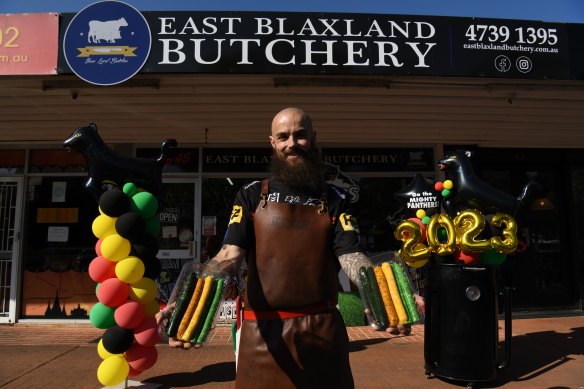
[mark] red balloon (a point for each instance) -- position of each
(98, 247)
(141, 357)
(439, 186)
(100, 269)
(147, 333)
(468, 258)
(129, 315)
(422, 227)
(133, 372)
(113, 292)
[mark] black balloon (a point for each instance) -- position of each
(117, 340)
(470, 192)
(130, 225)
(144, 246)
(420, 194)
(114, 202)
(152, 267)
(105, 166)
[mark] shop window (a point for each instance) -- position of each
(12, 161)
(176, 239)
(378, 213)
(58, 246)
(577, 183)
(56, 161)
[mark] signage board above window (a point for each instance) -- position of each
(380, 159)
(28, 43)
(179, 160)
(356, 44)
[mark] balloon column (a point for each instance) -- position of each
(476, 227)
(125, 268)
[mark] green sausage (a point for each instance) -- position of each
(405, 293)
(381, 316)
(212, 310)
(182, 303)
(366, 284)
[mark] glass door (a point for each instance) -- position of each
(179, 230)
(10, 216)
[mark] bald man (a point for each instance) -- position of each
(295, 233)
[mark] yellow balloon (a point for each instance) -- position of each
(130, 270)
(103, 353)
(104, 225)
(448, 184)
(441, 220)
(151, 308)
(509, 242)
(113, 370)
(469, 224)
(115, 248)
(420, 213)
(418, 264)
(410, 233)
(144, 291)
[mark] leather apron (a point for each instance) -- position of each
(293, 267)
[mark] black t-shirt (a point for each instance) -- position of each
(240, 231)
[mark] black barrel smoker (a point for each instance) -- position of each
(461, 340)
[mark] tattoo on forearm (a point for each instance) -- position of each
(214, 266)
(221, 264)
(351, 263)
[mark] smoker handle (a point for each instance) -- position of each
(508, 326)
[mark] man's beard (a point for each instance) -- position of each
(305, 173)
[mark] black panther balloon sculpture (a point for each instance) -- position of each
(107, 167)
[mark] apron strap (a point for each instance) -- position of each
(264, 194)
(323, 208)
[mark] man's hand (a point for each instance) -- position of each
(406, 329)
(227, 260)
(161, 319)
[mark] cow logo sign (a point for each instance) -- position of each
(107, 42)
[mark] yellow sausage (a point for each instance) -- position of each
(184, 323)
(394, 292)
(188, 334)
(385, 295)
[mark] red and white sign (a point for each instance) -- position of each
(29, 43)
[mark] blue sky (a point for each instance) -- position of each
(567, 11)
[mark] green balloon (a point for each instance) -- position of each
(442, 234)
(130, 189)
(446, 192)
(102, 316)
(144, 204)
(492, 257)
(152, 226)
(426, 220)
(97, 288)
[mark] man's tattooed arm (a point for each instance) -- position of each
(351, 263)
(228, 260)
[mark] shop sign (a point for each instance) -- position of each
(28, 43)
(107, 42)
(380, 159)
(180, 160)
(371, 44)
(323, 43)
(232, 160)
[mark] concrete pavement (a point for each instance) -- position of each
(547, 353)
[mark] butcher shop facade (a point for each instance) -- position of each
(389, 95)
